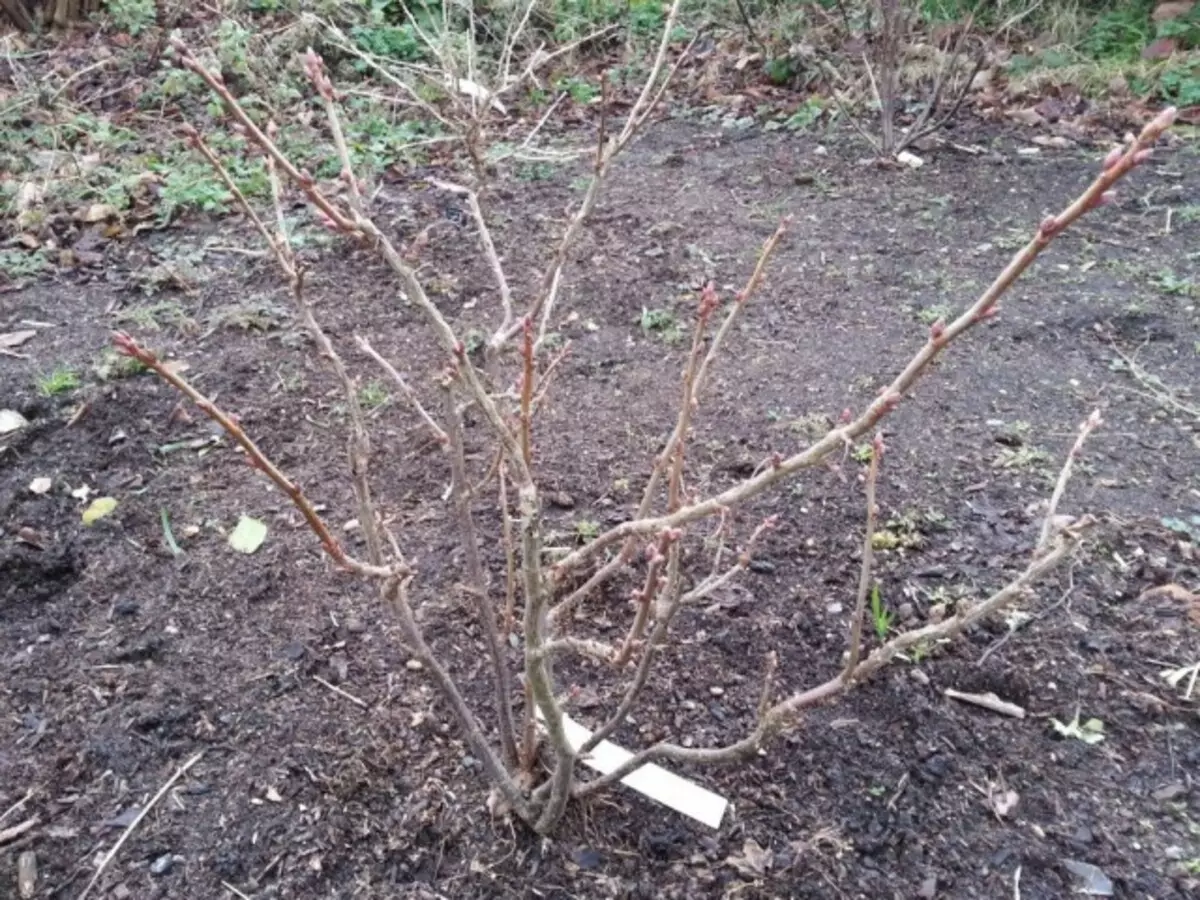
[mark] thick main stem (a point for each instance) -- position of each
(539, 678)
(485, 610)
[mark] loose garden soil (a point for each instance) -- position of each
(119, 660)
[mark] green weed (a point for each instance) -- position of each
(881, 616)
(373, 395)
(60, 381)
(661, 323)
(132, 16)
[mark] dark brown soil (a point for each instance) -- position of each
(120, 661)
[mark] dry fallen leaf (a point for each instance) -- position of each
(754, 860)
(1004, 802)
(11, 420)
(16, 338)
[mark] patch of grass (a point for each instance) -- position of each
(60, 381)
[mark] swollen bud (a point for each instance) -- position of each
(846, 417)
(1114, 157)
(1141, 156)
(937, 329)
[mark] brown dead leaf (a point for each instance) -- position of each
(1026, 116)
(1168, 592)
(16, 338)
(753, 862)
(97, 212)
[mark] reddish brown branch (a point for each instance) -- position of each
(127, 346)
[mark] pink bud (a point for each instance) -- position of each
(1141, 156)
(1049, 226)
(460, 349)
(272, 129)
(937, 329)
(1114, 157)
(708, 300)
(124, 344)
(846, 417)
(878, 447)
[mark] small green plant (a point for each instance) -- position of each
(1020, 458)
(113, 365)
(881, 616)
(1170, 283)
(806, 116)
(18, 264)
(862, 453)
(580, 90)
(587, 530)
(660, 323)
(132, 16)
(373, 395)
(60, 381)
(930, 314)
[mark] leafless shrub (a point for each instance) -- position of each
(524, 747)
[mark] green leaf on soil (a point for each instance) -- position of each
(98, 509)
(248, 536)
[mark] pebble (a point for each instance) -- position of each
(716, 690)
(162, 865)
(414, 665)
(1170, 791)
(928, 888)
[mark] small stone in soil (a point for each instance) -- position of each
(125, 608)
(162, 865)
(414, 665)
(928, 888)
(762, 567)
(562, 500)
(716, 690)
(587, 858)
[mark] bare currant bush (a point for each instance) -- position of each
(537, 605)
